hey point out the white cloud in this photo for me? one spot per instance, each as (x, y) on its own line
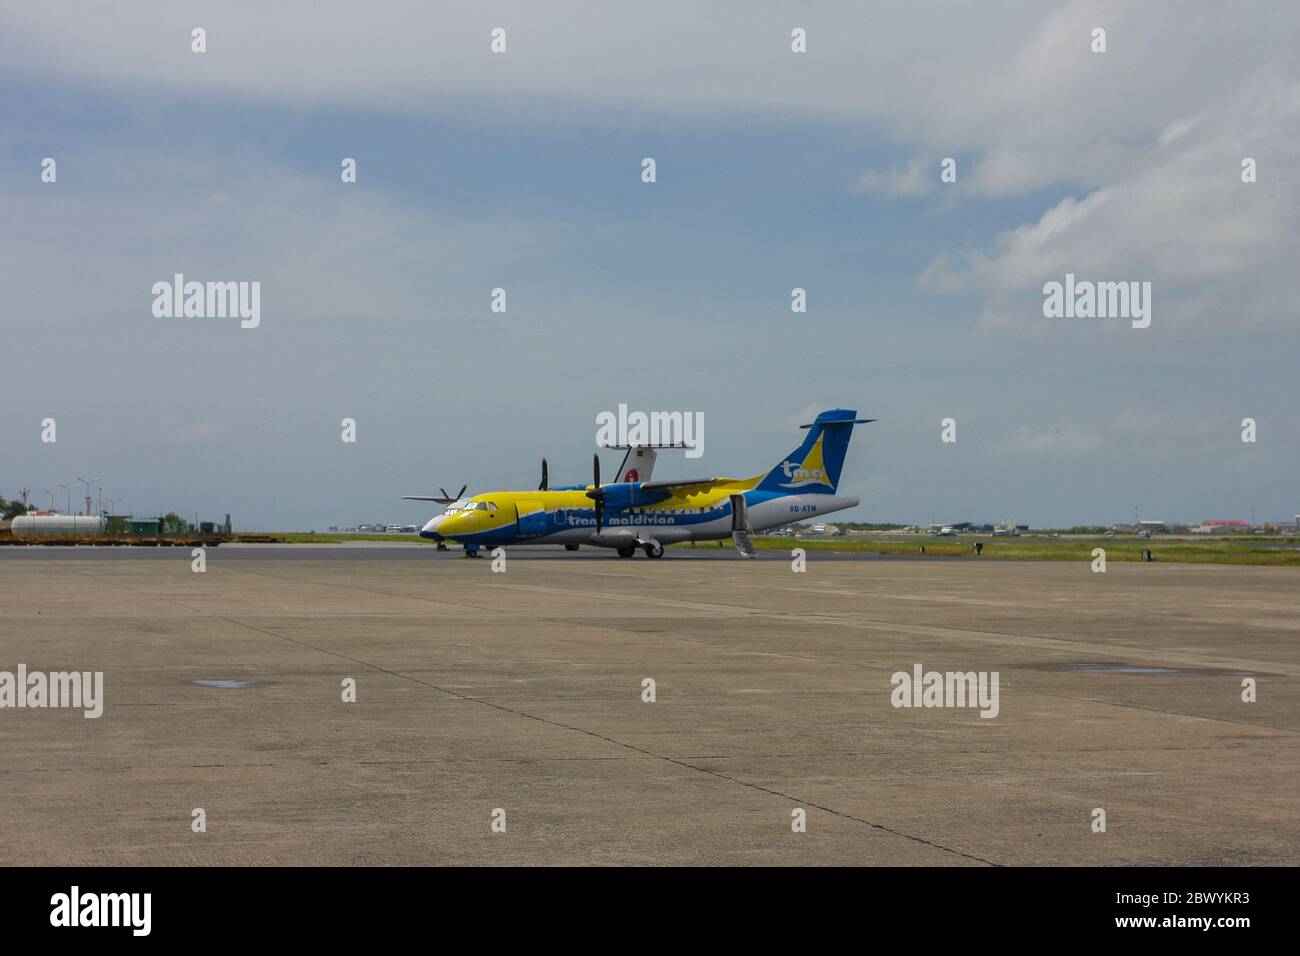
(1153, 429)
(321, 249)
(1147, 136)
(1052, 440)
(1177, 129)
(1217, 251)
(917, 178)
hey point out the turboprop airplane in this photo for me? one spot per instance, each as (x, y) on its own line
(638, 513)
(638, 465)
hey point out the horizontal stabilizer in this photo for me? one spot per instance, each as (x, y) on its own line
(646, 444)
(840, 421)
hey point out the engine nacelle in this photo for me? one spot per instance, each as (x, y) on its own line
(628, 494)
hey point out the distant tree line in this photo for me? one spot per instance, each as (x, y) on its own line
(172, 523)
(12, 509)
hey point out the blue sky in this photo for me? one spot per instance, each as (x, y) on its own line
(522, 171)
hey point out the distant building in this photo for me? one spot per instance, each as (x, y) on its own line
(1221, 526)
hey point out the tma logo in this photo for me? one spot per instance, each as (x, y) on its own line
(811, 472)
(800, 475)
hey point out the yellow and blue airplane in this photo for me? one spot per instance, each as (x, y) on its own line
(637, 513)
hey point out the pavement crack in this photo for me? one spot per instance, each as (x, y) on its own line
(514, 711)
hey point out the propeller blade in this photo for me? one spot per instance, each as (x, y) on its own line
(596, 494)
(545, 485)
(461, 494)
(444, 494)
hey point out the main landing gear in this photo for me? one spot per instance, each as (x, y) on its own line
(652, 549)
(471, 552)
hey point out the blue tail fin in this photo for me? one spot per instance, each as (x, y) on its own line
(814, 467)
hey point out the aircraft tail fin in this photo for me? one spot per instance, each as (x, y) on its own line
(814, 467)
(638, 464)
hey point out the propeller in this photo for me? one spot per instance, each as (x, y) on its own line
(446, 499)
(546, 481)
(596, 494)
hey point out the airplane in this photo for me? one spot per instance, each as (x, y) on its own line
(637, 513)
(638, 465)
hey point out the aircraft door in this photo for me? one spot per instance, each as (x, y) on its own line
(532, 518)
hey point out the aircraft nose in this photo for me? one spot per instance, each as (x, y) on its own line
(430, 529)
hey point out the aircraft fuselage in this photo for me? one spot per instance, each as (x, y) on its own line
(569, 517)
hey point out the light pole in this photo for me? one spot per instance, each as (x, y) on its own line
(51, 494)
(69, 491)
(88, 484)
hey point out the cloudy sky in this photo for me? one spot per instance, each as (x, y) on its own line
(775, 170)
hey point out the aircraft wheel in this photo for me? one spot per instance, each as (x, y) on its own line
(654, 550)
(626, 552)
(570, 547)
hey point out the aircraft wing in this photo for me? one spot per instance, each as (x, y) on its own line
(441, 501)
(695, 485)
